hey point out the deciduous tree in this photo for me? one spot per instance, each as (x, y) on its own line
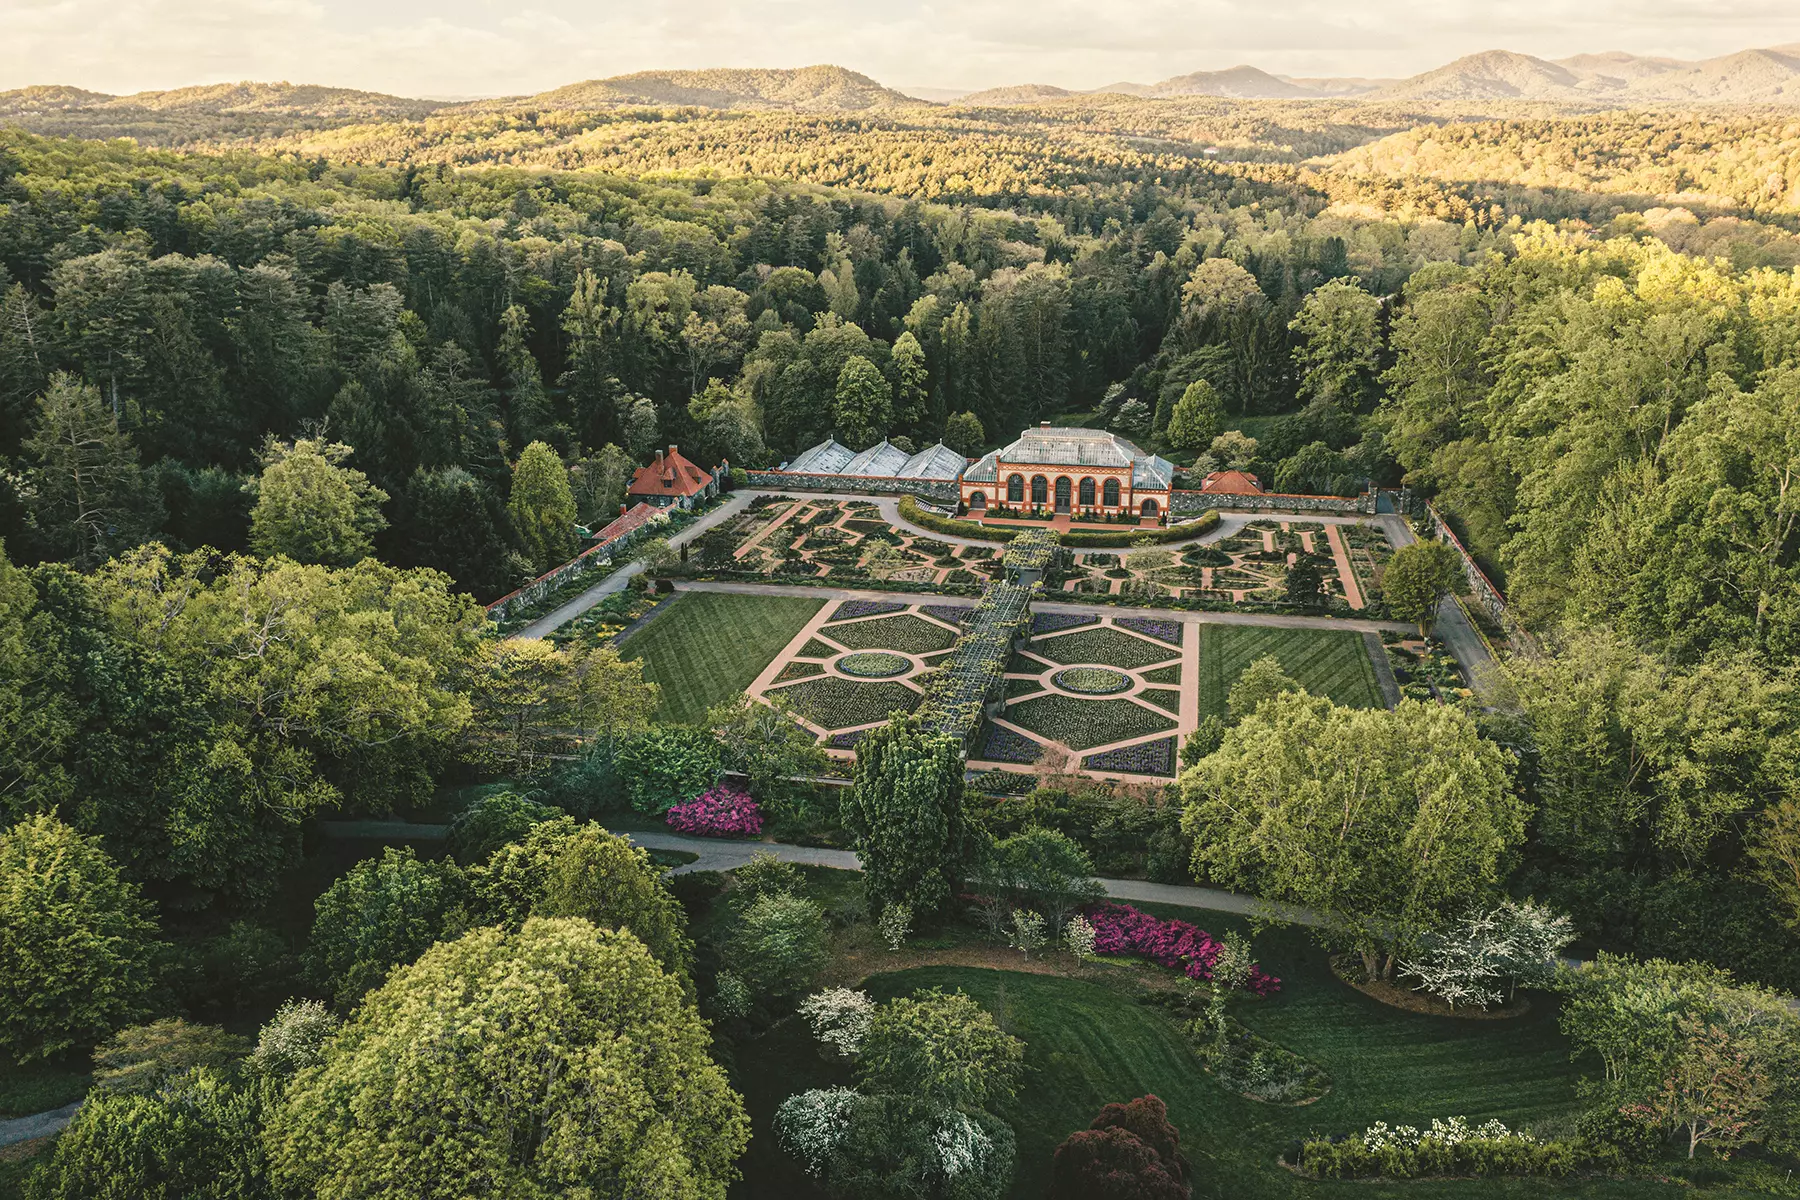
(312, 508)
(905, 809)
(542, 507)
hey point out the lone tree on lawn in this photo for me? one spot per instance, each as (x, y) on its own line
(1417, 580)
(905, 808)
(1387, 823)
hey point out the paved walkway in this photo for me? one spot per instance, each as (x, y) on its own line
(721, 855)
(1452, 624)
(549, 623)
(38, 1125)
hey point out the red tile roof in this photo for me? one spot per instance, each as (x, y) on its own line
(1233, 483)
(669, 475)
(625, 522)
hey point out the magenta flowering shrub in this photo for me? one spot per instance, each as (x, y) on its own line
(1122, 929)
(717, 812)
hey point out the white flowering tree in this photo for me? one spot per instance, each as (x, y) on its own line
(1028, 931)
(840, 1019)
(1078, 935)
(895, 923)
(1485, 954)
(812, 1125)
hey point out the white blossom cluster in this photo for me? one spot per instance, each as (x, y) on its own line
(1469, 961)
(294, 1038)
(1450, 1132)
(961, 1145)
(811, 1125)
(840, 1018)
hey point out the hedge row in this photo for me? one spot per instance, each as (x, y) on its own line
(912, 511)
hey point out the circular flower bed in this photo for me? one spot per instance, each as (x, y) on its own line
(874, 664)
(1092, 681)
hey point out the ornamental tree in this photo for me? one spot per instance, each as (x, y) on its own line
(493, 821)
(840, 1018)
(778, 945)
(142, 1058)
(1130, 1152)
(380, 914)
(905, 809)
(667, 764)
(1417, 580)
(1385, 823)
(77, 941)
(312, 508)
(1197, 418)
(554, 1060)
(940, 1049)
(863, 405)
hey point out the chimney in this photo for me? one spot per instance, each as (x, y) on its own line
(659, 458)
(671, 450)
(621, 510)
(1043, 424)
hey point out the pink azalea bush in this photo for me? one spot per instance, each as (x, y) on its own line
(717, 812)
(1122, 929)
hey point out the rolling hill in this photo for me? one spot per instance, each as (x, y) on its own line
(803, 89)
(1768, 76)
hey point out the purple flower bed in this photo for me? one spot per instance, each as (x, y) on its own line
(950, 614)
(717, 812)
(1162, 631)
(1005, 745)
(1122, 929)
(1057, 622)
(847, 740)
(866, 608)
(1145, 758)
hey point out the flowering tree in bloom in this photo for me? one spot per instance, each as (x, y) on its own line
(895, 924)
(811, 1125)
(1469, 961)
(1078, 935)
(840, 1018)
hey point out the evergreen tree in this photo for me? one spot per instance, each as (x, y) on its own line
(542, 507)
(905, 809)
(91, 498)
(1197, 418)
(911, 381)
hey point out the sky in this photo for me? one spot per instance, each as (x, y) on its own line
(456, 48)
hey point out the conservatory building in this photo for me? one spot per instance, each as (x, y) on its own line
(1081, 472)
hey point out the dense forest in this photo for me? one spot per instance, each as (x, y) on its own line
(276, 418)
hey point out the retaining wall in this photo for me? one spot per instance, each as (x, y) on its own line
(945, 491)
(593, 558)
(1481, 589)
(1182, 501)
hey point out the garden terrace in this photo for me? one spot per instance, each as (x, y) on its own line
(836, 541)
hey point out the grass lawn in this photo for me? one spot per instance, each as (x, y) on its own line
(1091, 1042)
(37, 1087)
(709, 646)
(1326, 662)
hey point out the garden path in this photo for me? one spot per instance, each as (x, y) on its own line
(717, 854)
(549, 623)
(1358, 624)
(1452, 626)
(37, 1125)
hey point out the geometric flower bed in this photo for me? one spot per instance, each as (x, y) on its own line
(799, 670)
(865, 608)
(814, 648)
(1168, 674)
(833, 703)
(1109, 646)
(1055, 622)
(907, 633)
(1164, 698)
(874, 664)
(1092, 681)
(999, 744)
(1144, 758)
(1084, 724)
(949, 614)
(1162, 631)
(1122, 929)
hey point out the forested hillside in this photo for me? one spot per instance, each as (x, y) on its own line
(1521, 320)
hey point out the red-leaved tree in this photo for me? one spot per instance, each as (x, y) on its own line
(1130, 1152)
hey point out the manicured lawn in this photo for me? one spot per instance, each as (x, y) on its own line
(709, 646)
(1113, 647)
(1326, 662)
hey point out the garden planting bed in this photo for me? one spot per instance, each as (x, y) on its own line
(834, 703)
(1084, 724)
(906, 633)
(1106, 646)
(1092, 681)
(1141, 758)
(874, 664)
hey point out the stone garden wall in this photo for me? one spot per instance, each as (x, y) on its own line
(1481, 589)
(1192, 502)
(945, 491)
(597, 557)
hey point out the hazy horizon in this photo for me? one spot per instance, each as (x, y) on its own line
(473, 48)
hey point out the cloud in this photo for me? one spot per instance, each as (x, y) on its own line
(467, 47)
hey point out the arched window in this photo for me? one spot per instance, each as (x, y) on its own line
(1062, 493)
(1087, 493)
(1110, 492)
(1015, 489)
(1148, 508)
(977, 499)
(1040, 489)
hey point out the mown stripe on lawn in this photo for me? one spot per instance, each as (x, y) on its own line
(708, 646)
(1326, 662)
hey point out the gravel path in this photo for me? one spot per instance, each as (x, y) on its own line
(1452, 625)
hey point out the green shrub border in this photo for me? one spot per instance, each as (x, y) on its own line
(912, 511)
